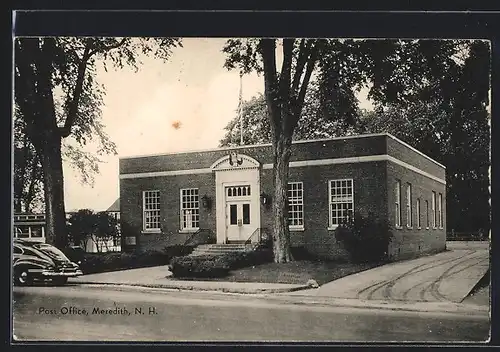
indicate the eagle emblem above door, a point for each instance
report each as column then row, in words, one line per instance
column 234, row 160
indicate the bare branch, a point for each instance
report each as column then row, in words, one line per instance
column 304, row 50
column 72, row 102
column 286, row 69
column 311, row 62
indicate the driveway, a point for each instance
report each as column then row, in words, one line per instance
column 445, row 277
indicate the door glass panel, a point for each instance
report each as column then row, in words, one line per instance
column 232, row 214
column 246, row 213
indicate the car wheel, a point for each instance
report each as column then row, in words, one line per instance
column 60, row 281
column 22, row 277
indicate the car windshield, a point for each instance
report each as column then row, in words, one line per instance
column 51, row 251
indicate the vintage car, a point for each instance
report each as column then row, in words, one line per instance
column 40, row 262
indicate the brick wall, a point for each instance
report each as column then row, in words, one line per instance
column 370, row 195
column 412, row 242
column 373, row 192
column 170, row 186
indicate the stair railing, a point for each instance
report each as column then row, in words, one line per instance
column 260, row 237
column 201, row 236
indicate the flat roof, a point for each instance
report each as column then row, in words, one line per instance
column 366, row 135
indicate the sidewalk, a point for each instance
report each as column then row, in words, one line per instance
column 158, row 277
column 445, row 277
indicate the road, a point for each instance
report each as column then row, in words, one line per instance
column 66, row 314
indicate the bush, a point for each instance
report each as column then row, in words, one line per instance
column 365, row 238
column 199, row 266
column 111, row 261
column 216, row 265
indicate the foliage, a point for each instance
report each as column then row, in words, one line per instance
column 216, row 265
column 365, row 238
column 57, row 96
column 86, row 225
column 257, row 130
column 103, row 262
column 432, row 94
column 28, row 185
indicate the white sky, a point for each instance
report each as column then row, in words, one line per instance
column 139, row 108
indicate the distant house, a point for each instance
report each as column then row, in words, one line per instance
column 114, row 209
column 31, row 226
column 111, row 245
column 166, row 198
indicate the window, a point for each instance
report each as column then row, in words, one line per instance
column 408, row 206
column 434, row 210
column 233, row 214
column 238, row 191
column 295, row 205
column 419, row 224
column 440, row 210
column 190, row 209
column 427, row 214
column 398, row 204
column 341, row 201
column 151, row 210
column 246, row 214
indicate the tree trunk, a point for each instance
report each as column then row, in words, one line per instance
column 281, row 235
column 55, row 213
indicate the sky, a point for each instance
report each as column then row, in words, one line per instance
column 182, row 104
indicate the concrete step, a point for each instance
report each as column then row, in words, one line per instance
column 216, row 252
column 222, row 245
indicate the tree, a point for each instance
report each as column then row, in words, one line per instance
column 81, row 226
column 85, row 225
column 107, row 229
column 397, row 72
column 284, row 93
column 27, row 172
column 311, row 124
column 57, row 97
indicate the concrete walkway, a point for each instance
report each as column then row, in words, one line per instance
column 445, row 277
column 159, row 277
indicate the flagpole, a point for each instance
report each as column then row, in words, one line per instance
column 240, row 108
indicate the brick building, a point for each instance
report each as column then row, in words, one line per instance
column 166, row 198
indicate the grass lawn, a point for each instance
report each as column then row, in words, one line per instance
column 296, row 272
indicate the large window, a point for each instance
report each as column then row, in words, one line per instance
column 427, row 219
column 151, row 210
column 408, row 206
column 190, row 209
column 295, row 205
column 419, row 223
column 397, row 221
column 434, row 210
column 341, row 199
column 440, row 210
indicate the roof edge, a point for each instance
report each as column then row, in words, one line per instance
column 367, row 135
column 415, row 150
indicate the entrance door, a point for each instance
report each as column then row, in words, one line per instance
column 238, row 220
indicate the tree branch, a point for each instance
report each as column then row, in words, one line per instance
column 304, row 49
column 286, row 69
column 108, row 47
column 268, row 47
column 72, row 102
column 311, row 62
column 299, row 101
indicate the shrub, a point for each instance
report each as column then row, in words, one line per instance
column 199, row 266
column 216, row 265
column 365, row 238
column 110, row 261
